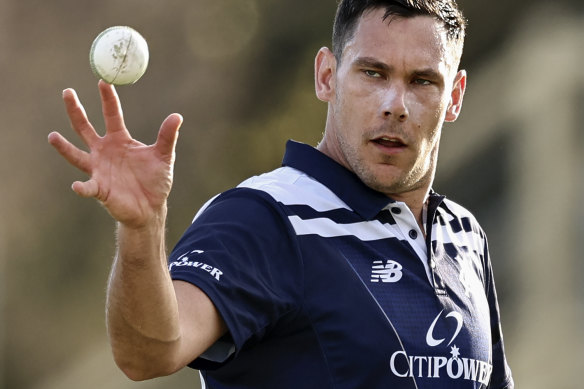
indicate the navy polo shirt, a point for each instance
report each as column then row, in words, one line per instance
column 326, row 283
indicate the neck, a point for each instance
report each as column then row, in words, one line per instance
column 415, row 200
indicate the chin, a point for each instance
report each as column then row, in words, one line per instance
column 383, row 183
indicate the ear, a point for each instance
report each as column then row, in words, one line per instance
column 325, row 65
column 456, row 96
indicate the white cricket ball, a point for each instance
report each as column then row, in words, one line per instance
column 119, row 55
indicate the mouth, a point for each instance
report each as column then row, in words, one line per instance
column 389, row 142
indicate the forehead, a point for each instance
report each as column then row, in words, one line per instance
column 416, row 41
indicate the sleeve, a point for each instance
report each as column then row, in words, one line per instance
column 501, row 377
column 241, row 252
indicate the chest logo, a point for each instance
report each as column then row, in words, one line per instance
column 437, row 366
column 386, row 271
column 432, row 342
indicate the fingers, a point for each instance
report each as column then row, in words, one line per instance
column 111, row 108
column 78, row 117
column 168, row 135
column 86, row 189
column 75, row 156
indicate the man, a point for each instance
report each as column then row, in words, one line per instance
column 341, row 269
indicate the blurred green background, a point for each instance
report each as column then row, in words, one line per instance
column 241, row 73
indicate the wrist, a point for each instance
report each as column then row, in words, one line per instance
column 153, row 221
column 143, row 240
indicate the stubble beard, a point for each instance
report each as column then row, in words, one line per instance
column 391, row 183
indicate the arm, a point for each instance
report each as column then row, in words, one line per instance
column 155, row 326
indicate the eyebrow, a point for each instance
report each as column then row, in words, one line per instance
column 428, row 73
column 369, row 62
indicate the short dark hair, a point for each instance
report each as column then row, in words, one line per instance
column 350, row 11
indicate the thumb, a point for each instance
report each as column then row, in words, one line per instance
column 168, row 134
column 86, row 189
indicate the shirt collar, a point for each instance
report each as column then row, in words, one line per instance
column 342, row 182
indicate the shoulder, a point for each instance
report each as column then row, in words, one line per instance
column 461, row 228
column 291, row 187
column 259, row 205
column 457, row 209
column 267, row 203
column 462, row 215
column 244, row 222
column 242, row 208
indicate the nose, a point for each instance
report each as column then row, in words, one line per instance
column 394, row 103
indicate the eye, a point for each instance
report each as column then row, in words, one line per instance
column 422, row 81
column 372, row 73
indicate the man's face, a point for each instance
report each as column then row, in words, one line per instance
column 394, row 87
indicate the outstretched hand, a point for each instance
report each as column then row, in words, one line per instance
column 132, row 180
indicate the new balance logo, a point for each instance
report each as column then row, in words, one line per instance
column 390, row 271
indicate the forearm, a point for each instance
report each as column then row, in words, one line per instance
column 133, row 181
column 142, row 311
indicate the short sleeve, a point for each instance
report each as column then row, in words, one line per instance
column 240, row 250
